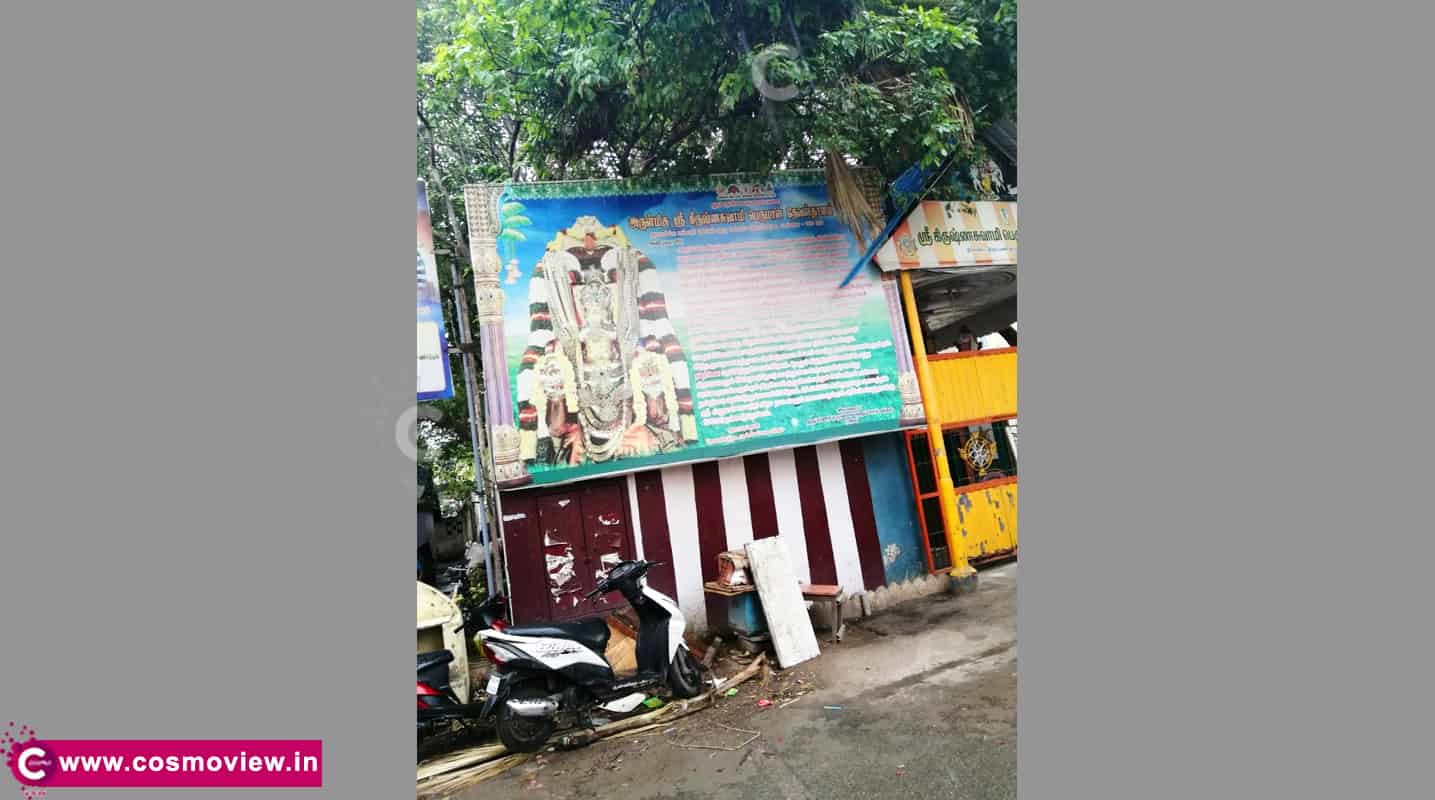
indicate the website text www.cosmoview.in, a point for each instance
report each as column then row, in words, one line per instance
column 168, row 763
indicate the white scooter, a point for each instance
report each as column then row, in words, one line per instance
column 548, row 669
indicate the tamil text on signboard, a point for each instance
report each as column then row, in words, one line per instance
column 953, row 234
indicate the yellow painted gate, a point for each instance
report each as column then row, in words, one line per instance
column 977, row 396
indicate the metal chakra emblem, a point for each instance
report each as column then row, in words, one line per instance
column 979, row 452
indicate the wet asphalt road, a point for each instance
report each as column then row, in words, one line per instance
column 928, row 709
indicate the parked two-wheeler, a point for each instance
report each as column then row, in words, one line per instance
column 552, row 670
column 438, row 704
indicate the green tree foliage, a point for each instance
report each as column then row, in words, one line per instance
column 554, row 89
column 546, row 89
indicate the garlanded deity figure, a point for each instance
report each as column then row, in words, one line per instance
column 559, row 440
column 596, row 301
column 655, row 427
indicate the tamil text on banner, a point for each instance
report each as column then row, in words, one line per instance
column 953, row 234
column 435, row 381
column 627, row 325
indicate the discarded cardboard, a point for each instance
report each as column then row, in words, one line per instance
column 622, row 651
column 782, row 602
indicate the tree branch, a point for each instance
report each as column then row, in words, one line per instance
column 513, row 148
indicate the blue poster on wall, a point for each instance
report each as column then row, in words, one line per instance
column 435, row 380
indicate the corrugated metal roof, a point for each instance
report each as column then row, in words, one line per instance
column 1001, row 136
column 947, row 298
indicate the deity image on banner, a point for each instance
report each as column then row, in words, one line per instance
column 559, row 437
column 656, row 427
column 604, row 376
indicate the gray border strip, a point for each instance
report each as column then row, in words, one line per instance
column 207, row 515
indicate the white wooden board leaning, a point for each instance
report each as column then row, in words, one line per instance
column 782, row 601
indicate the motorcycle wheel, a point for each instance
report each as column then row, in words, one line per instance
column 684, row 676
column 523, row 734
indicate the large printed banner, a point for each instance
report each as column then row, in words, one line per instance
column 628, row 325
column 435, row 382
column 953, row 234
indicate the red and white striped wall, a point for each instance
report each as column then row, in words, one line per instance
column 816, row 498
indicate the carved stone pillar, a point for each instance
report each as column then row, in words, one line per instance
column 481, row 202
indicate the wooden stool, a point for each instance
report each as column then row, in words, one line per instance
column 830, row 596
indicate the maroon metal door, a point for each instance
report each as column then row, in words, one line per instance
column 607, row 541
column 565, row 553
column 575, row 536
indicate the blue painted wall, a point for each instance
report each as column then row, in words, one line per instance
column 895, row 507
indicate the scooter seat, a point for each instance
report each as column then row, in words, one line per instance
column 433, row 659
column 591, row 632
